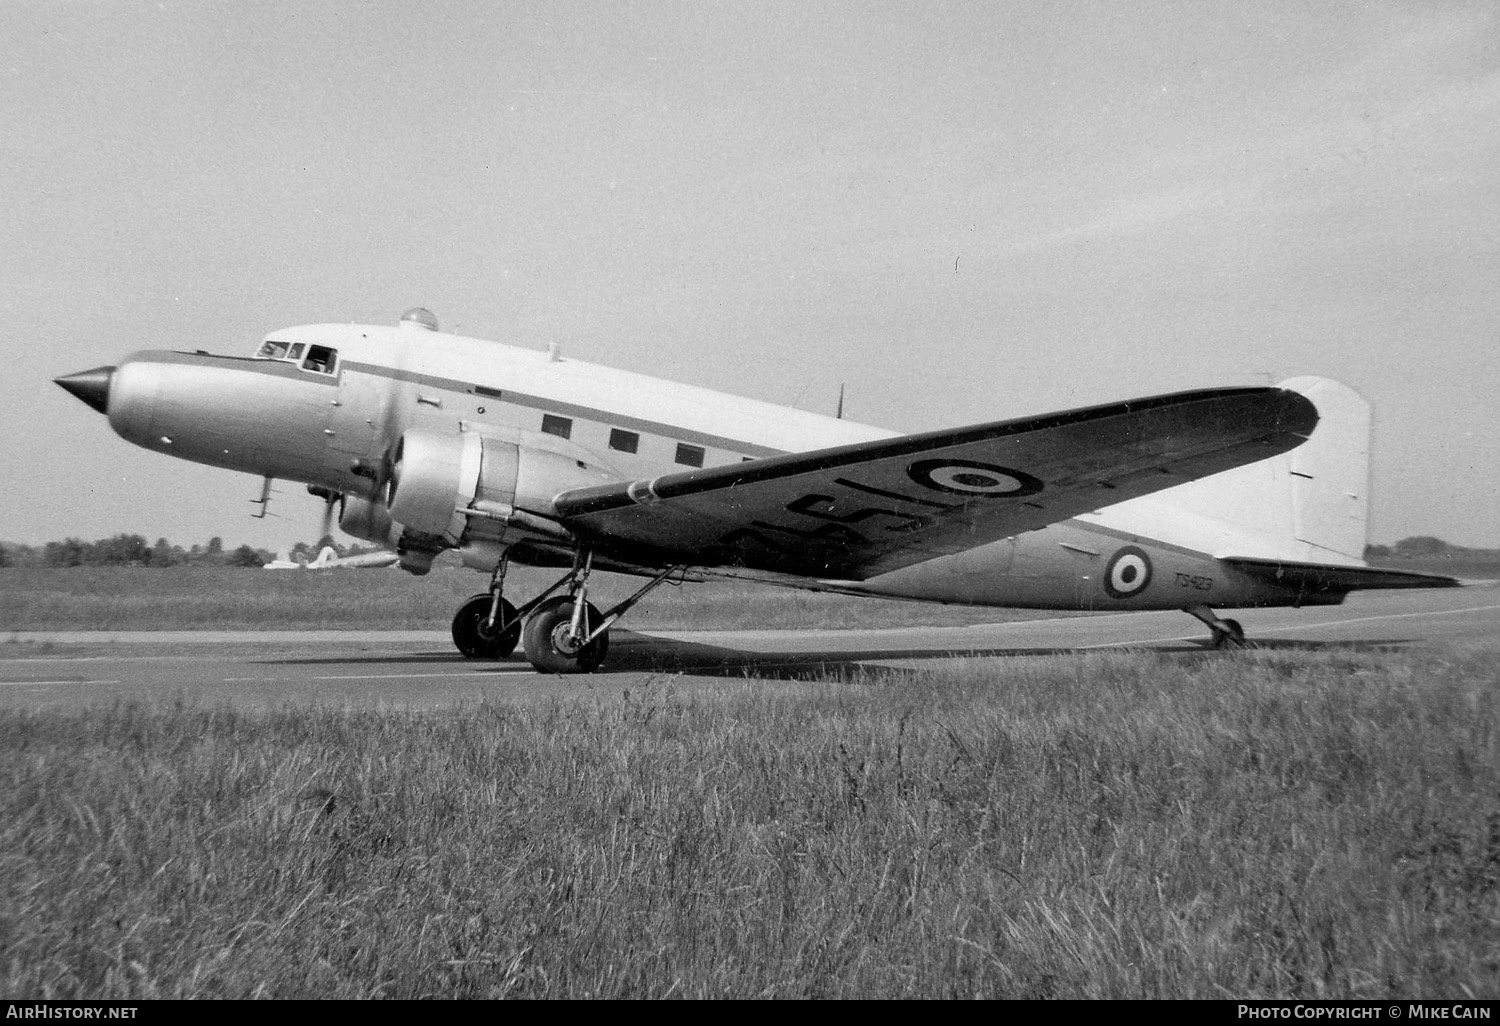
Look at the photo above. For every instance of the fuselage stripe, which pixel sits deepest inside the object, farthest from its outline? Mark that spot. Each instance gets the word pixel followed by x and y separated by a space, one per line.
pixel 537 402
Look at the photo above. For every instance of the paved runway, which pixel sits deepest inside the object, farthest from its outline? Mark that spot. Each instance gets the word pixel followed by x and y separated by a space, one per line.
pixel 419 669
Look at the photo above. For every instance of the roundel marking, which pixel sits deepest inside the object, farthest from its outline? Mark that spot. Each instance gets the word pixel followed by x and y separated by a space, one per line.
pixel 969 477
pixel 1128 572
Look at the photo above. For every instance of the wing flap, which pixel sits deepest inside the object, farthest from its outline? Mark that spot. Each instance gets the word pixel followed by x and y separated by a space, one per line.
pixel 859 510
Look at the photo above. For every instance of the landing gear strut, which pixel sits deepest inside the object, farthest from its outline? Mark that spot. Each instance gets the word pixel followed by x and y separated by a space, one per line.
pixel 486 625
pixel 554 645
pixel 567 634
pixel 1226 633
pixel 562 634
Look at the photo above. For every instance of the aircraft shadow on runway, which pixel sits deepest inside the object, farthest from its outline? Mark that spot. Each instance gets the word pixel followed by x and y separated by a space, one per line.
pixel 663 655
pixel 637 653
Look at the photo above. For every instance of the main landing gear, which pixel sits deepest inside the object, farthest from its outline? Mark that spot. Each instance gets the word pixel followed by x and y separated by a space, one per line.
pixel 560 634
pixel 1227 633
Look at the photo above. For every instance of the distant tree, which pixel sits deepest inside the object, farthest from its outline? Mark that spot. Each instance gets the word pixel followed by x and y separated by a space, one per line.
pixel 245 556
pixel 18 555
pixel 121 550
pixel 1422 545
pixel 215 546
pixel 1377 551
pixel 68 552
pixel 162 554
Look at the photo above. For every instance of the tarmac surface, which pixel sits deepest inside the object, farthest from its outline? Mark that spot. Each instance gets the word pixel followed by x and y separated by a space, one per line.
pixel 421 670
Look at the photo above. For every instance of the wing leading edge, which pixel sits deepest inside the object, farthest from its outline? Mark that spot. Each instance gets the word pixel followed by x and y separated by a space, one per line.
pixel 858 510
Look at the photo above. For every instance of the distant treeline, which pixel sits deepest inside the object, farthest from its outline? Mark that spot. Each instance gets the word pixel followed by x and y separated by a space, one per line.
pixel 1424 546
pixel 134 550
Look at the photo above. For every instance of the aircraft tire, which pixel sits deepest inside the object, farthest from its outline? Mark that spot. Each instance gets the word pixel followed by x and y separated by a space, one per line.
pixel 546 640
pixel 472 639
pixel 1231 635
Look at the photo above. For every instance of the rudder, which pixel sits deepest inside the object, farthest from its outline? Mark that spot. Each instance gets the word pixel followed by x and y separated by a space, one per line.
pixel 1330 472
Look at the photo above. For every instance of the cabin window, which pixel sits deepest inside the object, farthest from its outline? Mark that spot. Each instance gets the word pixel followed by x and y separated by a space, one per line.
pixel 625 441
pixel 689 455
pixel 296 351
pixel 272 351
pixel 552 424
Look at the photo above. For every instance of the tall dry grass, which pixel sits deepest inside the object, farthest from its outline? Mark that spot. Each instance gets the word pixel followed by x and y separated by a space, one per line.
pixel 1110 825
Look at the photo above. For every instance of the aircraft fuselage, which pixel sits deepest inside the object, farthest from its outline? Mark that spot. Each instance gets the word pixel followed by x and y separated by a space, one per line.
pixel 322 411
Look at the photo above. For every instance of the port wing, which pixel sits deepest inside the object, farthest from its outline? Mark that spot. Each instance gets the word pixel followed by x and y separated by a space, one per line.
pixel 859 510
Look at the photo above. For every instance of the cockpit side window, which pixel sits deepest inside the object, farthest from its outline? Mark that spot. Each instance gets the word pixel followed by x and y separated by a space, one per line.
pixel 320 359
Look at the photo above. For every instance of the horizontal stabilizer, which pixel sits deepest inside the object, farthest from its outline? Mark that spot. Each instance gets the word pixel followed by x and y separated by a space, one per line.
pixel 1319 578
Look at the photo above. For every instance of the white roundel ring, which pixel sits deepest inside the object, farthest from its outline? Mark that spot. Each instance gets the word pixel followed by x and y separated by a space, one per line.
pixel 970 477
pixel 1128 572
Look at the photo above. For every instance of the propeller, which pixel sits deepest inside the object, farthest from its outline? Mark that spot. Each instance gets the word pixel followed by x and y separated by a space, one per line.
pixel 330 499
pixel 394 402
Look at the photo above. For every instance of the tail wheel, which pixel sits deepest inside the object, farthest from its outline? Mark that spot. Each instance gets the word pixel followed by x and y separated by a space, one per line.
pixel 1231 635
pixel 549 642
pixel 475 640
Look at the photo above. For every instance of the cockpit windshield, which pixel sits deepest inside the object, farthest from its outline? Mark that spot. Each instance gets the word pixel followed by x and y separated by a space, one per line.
pixel 320 359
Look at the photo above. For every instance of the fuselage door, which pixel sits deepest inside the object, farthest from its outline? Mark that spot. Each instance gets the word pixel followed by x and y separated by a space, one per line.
pixel 352 421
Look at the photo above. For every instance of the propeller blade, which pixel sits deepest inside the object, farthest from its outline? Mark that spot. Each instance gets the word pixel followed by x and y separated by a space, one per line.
pixel 330 499
pixel 327 526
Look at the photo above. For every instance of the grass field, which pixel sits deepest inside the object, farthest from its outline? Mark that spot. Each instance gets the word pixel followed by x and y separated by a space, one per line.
pixel 130 598
pixel 184 598
pixel 1292 824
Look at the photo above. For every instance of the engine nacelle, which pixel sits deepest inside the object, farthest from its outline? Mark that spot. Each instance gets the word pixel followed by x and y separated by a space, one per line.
pixel 436 477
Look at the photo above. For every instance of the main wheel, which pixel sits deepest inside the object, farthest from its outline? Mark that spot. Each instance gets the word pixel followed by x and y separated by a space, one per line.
pixel 549 645
pixel 1231 636
pixel 475 640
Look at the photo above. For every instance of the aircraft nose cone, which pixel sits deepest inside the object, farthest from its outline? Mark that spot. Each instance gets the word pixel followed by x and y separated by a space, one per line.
pixel 90 386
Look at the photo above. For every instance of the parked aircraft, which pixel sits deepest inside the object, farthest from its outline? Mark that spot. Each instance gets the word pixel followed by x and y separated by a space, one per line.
pixel 284 561
pixel 427 441
pixel 329 559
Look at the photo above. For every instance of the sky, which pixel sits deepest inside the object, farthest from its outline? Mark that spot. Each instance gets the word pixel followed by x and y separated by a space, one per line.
pixel 960 212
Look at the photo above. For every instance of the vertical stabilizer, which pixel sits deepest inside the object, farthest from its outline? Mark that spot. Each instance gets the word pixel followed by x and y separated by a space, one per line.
pixel 1307 505
pixel 1330 473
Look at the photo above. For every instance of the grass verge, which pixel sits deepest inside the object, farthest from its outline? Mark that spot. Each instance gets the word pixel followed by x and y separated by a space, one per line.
pixel 188 598
pixel 1274 824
